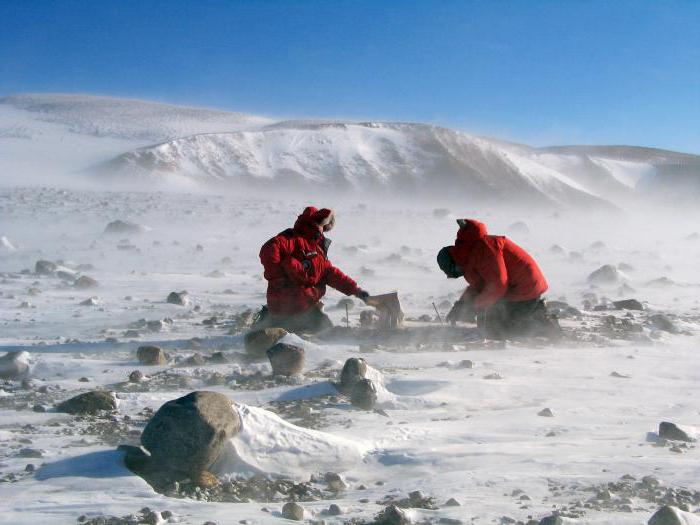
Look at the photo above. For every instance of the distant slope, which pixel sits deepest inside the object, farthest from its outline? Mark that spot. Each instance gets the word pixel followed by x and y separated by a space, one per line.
pixel 45 135
pixel 412 159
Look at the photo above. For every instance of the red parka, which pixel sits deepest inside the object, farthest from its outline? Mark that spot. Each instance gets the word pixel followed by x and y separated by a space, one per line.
pixel 495 267
pixel 297 268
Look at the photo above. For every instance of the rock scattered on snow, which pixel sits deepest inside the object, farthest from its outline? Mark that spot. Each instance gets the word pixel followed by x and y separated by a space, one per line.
pixel 628 304
pixel 151 355
pixel 545 412
pixel 663 323
pixel 258 342
pixel 519 227
pixel 85 282
pixel 90 403
pixel 124 227
pixel 354 369
pixel 43 267
pixel 605 275
pixel 364 394
pixel 668 515
pixel 179 298
pixel 187 435
pixel 673 432
pixel 91 301
pixel 392 515
pixel 14 366
pixel 335 482
pixel 136 376
pixel 286 360
pixel 293 511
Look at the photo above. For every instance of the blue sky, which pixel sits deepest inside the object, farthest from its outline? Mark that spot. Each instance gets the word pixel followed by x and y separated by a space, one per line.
pixel 541 72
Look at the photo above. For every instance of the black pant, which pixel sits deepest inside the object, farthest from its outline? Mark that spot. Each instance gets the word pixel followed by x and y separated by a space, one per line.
pixel 517 318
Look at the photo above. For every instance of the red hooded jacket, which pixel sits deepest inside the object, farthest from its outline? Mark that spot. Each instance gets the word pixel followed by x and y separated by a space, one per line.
pixel 495 267
pixel 297 268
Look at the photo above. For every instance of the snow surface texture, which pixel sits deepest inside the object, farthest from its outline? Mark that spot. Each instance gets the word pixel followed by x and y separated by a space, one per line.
pixel 450 430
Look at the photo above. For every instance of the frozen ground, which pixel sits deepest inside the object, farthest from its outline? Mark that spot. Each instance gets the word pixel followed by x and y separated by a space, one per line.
pixel 472 434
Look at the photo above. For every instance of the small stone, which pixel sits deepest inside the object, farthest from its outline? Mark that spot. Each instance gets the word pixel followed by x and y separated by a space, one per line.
pixel 89 403
pixel 151 355
pixel 286 360
pixel 258 342
pixel 545 412
pixel 466 363
pixel 205 480
pixel 364 394
pixel 354 369
pixel 392 515
pixel 663 323
pixel 178 298
pixel 628 304
pixel 43 267
pixel 452 502
pixel 85 282
pixel 552 520
pixel 334 510
pixel 136 376
pixel 605 275
pixel 14 366
pixel 30 453
pixel 335 482
pixel 293 511
pixel 671 431
pixel 123 227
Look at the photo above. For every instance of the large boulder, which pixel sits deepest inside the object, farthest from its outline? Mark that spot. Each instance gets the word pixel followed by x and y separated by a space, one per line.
pixel 354 369
pixel 188 434
pixel 258 342
pixel 151 355
pixel 605 275
pixel 286 360
pixel 293 511
pixel 14 366
pixel 672 516
pixel 89 403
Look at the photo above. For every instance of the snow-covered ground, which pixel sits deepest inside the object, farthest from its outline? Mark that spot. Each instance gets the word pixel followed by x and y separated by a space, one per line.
pixel 473 434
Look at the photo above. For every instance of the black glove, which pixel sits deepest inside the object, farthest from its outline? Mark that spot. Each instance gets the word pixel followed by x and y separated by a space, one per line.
pixel 461 311
pixel 361 294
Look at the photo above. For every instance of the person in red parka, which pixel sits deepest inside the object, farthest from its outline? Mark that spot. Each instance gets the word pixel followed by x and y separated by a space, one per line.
pixel 505 283
pixel 297 270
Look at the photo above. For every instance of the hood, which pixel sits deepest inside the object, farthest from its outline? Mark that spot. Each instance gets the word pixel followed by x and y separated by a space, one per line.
pixel 310 224
pixel 470 231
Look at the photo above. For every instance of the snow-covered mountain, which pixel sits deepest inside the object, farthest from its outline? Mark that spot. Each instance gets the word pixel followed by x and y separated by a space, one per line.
pixel 45 136
pixel 142 143
pixel 395 157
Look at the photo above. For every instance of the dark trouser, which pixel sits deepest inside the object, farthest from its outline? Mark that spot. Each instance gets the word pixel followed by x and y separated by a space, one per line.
pixel 312 320
pixel 517 318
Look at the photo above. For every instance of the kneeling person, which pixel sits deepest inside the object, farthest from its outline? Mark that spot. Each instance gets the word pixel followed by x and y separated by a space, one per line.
pixel 505 284
pixel 297 270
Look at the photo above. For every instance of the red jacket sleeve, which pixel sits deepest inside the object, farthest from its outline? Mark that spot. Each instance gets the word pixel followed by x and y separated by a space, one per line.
pixel 338 280
pixel 491 267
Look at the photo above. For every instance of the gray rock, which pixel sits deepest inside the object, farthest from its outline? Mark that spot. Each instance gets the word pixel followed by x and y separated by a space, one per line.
pixel 671 431
pixel 84 282
pixel 195 359
pixel 91 301
pixel 663 323
pixel 452 502
pixel 188 434
pixel 258 342
pixel 178 298
pixel 628 304
pixel 364 394
pixel 353 370
pixel 43 267
pixel 552 520
pixel 605 275
pixel 151 355
pixel 14 366
pixel 136 376
pixel 123 227
pixel 392 515
pixel 672 516
pixel 91 403
pixel 334 510
pixel 293 511
pixel 286 360
pixel 545 412
pixel 335 482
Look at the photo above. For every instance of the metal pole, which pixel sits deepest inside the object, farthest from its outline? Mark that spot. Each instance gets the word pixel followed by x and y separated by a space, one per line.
pixel 438 313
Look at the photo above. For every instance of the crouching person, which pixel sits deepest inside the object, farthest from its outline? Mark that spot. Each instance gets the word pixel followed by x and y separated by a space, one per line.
pixel 505 284
pixel 297 271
